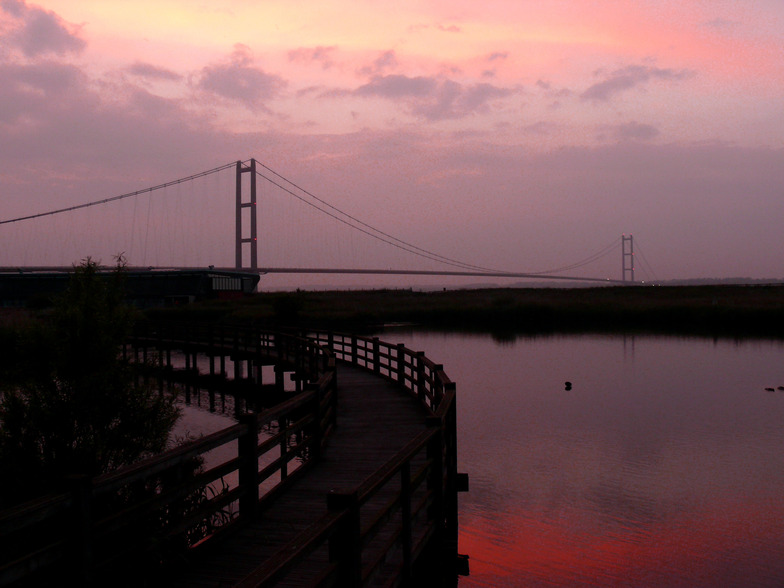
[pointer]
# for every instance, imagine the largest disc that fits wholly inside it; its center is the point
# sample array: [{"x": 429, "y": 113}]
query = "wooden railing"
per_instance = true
[
  {"x": 417, "y": 488},
  {"x": 163, "y": 500},
  {"x": 164, "y": 503}
]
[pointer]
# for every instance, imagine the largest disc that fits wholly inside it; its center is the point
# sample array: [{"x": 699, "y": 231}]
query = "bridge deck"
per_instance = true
[{"x": 376, "y": 419}]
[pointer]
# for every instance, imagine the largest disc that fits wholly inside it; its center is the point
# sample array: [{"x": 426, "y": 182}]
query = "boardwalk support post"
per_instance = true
[
  {"x": 247, "y": 447},
  {"x": 401, "y": 363},
  {"x": 406, "y": 532},
  {"x": 435, "y": 452},
  {"x": 345, "y": 546},
  {"x": 376, "y": 358},
  {"x": 420, "y": 355}
]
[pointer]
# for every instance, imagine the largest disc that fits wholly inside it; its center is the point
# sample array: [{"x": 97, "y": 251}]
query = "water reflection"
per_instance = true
[{"x": 663, "y": 465}]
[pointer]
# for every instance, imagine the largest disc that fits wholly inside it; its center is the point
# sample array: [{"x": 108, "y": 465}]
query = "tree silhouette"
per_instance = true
[{"x": 71, "y": 404}]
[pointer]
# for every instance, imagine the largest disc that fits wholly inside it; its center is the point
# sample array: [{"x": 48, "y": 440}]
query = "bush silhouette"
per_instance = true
[{"x": 70, "y": 404}]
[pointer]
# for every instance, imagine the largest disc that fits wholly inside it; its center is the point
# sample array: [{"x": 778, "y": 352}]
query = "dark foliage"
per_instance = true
[{"x": 70, "y": 404}]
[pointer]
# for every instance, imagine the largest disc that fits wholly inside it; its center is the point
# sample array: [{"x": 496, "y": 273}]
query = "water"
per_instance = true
[{"x": 662, "y": 466}]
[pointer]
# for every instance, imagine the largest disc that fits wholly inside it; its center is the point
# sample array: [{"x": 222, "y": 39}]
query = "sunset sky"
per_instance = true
[{"x": 511, "y": 134}]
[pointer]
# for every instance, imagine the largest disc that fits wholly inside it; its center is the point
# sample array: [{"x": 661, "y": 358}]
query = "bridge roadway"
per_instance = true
[{"x": 376, "y": 419}]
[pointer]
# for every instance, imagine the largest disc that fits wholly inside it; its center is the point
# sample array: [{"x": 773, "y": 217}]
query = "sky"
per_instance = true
[{"x": 509, "y": 134}]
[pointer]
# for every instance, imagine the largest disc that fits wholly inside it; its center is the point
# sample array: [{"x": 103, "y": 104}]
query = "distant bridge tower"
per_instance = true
[
  {"x": 627, "y": 258},
  {"x": 250, "y": 206}
]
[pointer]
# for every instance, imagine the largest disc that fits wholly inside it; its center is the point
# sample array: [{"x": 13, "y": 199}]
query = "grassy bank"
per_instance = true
[{"x": 703, "y": 310}]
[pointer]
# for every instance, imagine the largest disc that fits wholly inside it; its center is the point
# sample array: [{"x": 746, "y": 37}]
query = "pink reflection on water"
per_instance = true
[
  {"x": 663, "y": 466},
  {"x": 710, "y": 547}
]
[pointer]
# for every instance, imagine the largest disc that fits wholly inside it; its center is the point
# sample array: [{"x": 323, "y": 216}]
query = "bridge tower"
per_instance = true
[
  {"x": 627, "y": 258},
  {"x": 250, "y": 206}
]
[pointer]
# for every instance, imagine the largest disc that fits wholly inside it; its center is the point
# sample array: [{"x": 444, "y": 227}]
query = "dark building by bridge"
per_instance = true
[{"x": 144, "y": 288}]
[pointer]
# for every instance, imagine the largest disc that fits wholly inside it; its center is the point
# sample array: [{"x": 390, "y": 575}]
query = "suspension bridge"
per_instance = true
[{"x": 270, "y": 223}]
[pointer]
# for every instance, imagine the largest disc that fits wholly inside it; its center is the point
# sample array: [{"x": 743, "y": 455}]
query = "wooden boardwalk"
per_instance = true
[
  {"x": 376, "y": 419},
  {"x": 351, "y": 481}
]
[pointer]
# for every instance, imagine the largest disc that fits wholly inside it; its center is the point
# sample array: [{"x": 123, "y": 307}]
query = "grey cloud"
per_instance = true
[
  {"x": 147, "y": 105},
  {"x": 38, "y": 32},
  {"x": 634, "y": 131},
  {"x": 387, "y": 60},
  {"x": 434, "y": 99},
  {"x": 630, "y": 77},
  {"x": 240, "y": 81},
  {"x": 15, "y": 8},
  {"x": 476, "y": 96},
  {"x": 53, "y": 114},
  {"x": 397, "y": 86},
  {"x": 551, "y": 91},
  {"x": 147, "y": 70},
  {"x": 37, "y": 91},
  {"x": 322, "y": 55},
  {"x": 498, "y": 56},
  {"x": 540, "y": 128}
]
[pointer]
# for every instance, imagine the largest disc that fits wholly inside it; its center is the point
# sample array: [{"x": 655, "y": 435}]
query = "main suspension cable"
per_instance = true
[
  {"x": 120, "y": 197},
  {"x": 385, "y": 237}
]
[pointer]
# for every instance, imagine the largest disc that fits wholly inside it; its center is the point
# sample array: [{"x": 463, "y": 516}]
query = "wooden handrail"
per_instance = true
[
  {"x": 340, "y": 526},
  {"x": 314, "y": 355},
  {"x": 304, "y": 354}
]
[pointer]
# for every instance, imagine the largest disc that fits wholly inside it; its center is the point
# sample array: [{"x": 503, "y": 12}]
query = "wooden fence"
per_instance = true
[
  {"x": 172, "y": 506},
  {"x": 154, "y": 507},
  {"x": 420, "y": 494}
]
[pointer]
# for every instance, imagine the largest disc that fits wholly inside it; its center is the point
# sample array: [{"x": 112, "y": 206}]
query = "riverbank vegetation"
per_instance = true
[
  {"x": 69, "y": 404},
  {"x": 698, "y": 310}
]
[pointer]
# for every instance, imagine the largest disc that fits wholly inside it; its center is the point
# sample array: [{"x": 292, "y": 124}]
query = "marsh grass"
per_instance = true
[{"x": 705, "y": 310}]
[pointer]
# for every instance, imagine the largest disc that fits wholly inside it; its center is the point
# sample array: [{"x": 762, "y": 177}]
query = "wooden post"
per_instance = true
[
  {"x": 354, "y": 349},
  {"x": 317, "y": 434},
  {"x": 236, "y": 353},
  {"x": 405, "y": 513},
  {"x": 450, "y": 441},
  {"x": 284, "y": 464},
  {"x": 435, "y": 483},
  {"x": 247, "y": 449},
  {"x": 376, "y": 358},
  {"x": 401, "y": 363},
  {"x": 345, "y": 546},
  {"x": 420, "y": 355},
  {"x": 438, "y": 390}
]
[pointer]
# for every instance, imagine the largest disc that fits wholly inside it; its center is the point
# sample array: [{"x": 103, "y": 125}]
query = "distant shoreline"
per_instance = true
[{"x": 724, "y": 310}]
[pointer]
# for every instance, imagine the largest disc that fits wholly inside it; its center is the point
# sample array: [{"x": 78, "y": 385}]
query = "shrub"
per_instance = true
[{"x": 73, "y": 406}]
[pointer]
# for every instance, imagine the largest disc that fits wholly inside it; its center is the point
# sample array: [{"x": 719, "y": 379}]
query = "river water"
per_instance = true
[{"x": 663, "y": 465}]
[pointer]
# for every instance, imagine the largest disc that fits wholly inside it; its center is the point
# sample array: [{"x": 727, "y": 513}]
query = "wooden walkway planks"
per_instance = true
[{"x": 376, "y": 418}]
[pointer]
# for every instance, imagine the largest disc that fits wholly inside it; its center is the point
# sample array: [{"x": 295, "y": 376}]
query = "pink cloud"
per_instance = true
[
  {"x": 37, "y": 32},
  {"x": 432, "y": 98},
  {"x": 629, "y": 77},
  {"x": 147, "y": 70},
  {"x": 321, "y": 55},
  {"x": 238, "y": 80}
]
